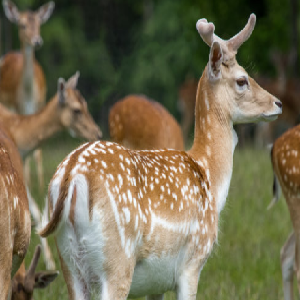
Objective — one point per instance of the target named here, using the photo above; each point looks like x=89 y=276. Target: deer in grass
x=15 y=229
x=67 y=109
x=140 y=123
x=286 y=165
x=137 y=223
x=22 y=80
x=25 y=282
x=186 y=103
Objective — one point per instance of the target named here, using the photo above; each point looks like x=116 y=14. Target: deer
x=140 y=123
x=186 y=103
x=22 y=80
x=285 y=163
x=67 y=109
x=25 y=282
x=155 y=213
x=15 y=228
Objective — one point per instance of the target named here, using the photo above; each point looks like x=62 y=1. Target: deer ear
x=61 y=86
x=11 y=11
x=44 y=278
x=45 y=11
x=215 y=61
x=72 y=81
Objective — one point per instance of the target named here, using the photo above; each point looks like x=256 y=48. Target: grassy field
x=246 y=262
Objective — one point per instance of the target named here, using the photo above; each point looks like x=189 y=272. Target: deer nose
x=279 y=104
x=37 y=41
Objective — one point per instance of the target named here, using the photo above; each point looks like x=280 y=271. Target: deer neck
x=30 y=131
x=214 y=142
x=27 y=80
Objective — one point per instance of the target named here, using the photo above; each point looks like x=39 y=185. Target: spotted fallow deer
x=22 y=80
x=15 y=223
x=67 y=109
x=286 y=165
x=140 y=223
x=139 y=123
x=15 y=229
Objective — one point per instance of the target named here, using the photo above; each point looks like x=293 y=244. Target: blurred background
x=151 y=46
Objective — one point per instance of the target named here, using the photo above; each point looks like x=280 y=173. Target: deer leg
x=155 y=297
x=37 y=154
x=36 y=215
x=297 y=259
x=27 y=170
x=5 y=274
x=187 y=285
x=287 y=256
x=117 y=280
x=77 y=287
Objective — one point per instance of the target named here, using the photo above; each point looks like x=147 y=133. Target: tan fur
x=140 y=123
x=15 y=223
x=10 y=75
x=286 y=165
x=155 y=211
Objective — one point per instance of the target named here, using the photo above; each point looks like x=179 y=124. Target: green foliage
x=149 y=46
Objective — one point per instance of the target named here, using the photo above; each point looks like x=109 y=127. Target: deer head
x=24 y=283
x=29 y=22
x=245 y=100
x=74 y=113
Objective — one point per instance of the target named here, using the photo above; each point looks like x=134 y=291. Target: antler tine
x=206 y=31
x=235 y=42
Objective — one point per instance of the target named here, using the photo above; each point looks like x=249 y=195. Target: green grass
x=246 y=263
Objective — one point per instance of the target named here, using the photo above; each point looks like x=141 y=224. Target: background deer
x=24 y=282
x=67 y=109
x=286 y=166
x=155 y=213
x=140 y=123
x=22 y=80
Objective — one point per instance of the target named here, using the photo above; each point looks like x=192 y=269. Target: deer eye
x=77 y=111
x=242 y=81
x=22 y=26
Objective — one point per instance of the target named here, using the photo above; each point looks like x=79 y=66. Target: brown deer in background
x=135 y=223
x=22 y=80
x=140 y=123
